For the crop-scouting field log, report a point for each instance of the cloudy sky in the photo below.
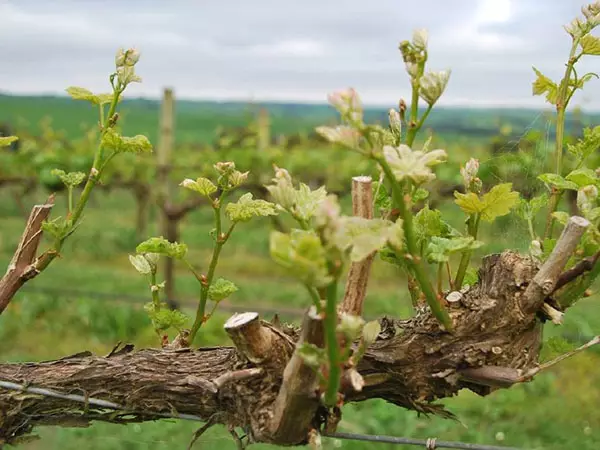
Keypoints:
(289, 50)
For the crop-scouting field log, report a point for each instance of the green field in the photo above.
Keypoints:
(92, 298)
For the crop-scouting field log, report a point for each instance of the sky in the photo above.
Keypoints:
(299, 51)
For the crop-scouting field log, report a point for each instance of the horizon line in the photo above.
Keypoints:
(284, 101)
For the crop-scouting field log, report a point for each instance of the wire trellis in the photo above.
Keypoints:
(429, 444)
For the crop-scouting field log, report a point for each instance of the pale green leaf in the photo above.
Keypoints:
(202, 185)
(246, 208)
(365, 236)
(221, 289)
(350, 326)
(79, 93)
(469, 203)
(544, 85)
(561, 216)
(302, 254)
(528, 210)
(587, 145)
(166, 318)
(583, 177)
(420, 194)
(440, 249)
(593, 214)
(428, 223)
(370, 332)
(121, 144)
(590, 44)
(163, 247)
(58, 227)
(556, 181)
(313, 356)
(498, 201)
(70, 179)
(141, 264)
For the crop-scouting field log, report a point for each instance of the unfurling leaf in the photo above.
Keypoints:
(583, 177)
(429, 223)
(70, 179)
(497, 202)
(586, 198)
(121, 144)
(313, 356)
(302, 254)
(342, 135)
(412, 164)
(561, 216)
(246, 208)
(350, 326)
(370, 332)
(348, 105)
(164, 318)
(587, 145)
(544, 85)
(5, 141)
(554, 180)
(528, 210)
(79, 93)
(202, 185)
(365, 236)
(302, 203)
(221, 289)
(590, 44)
(141, 264)
(433, 85)
(440, 249)
(59, 227)
(163, 247)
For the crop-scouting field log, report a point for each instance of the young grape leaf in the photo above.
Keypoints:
(544, 85)
(497, 202)
(161, 246)
(302, 254)
(221, 289)
(440, 249)
(202, 185)
(246, 208)
(590, 44)
(70, 179)
(583, 177)
(121, 144)
(556, 181)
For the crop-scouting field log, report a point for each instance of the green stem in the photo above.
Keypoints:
(333, 351)
(220, 241)
(314, 295)
(561, 108)
(155, 297)
(414, 260)
(414, 105)
(45, 260)
(465, 259)
(70, 198)
(440, 278)
(419, 125)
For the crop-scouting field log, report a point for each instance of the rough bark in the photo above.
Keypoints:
(413, 363)
(22, 267)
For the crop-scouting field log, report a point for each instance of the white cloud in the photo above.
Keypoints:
(303, 48)
(295, 51)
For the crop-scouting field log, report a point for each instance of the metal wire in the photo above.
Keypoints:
(429, 444)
